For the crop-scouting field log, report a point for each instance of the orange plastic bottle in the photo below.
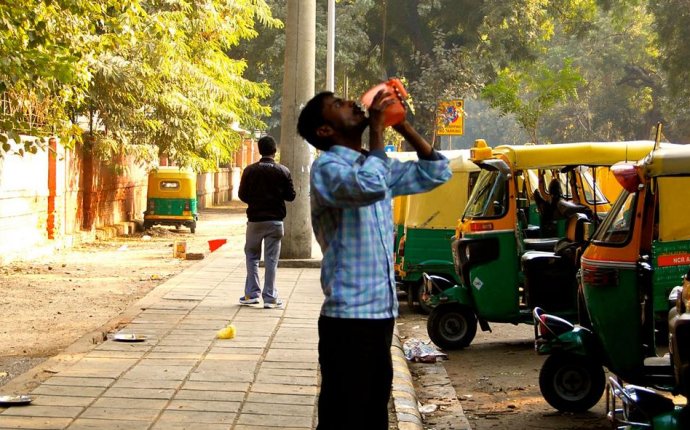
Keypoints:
(395, 113)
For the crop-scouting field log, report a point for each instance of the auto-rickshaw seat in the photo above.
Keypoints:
(575, 228)
(547, 244)
(566, 209)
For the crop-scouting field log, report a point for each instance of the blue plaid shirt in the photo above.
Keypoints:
(351, 211)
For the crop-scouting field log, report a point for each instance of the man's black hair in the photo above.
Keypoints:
(312, 118)
(267, 145)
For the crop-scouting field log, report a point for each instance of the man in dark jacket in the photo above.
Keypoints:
(265, 186)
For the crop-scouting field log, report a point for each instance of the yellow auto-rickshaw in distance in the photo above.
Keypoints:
(171, 198)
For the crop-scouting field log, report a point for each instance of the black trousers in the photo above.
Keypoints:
(356, 373)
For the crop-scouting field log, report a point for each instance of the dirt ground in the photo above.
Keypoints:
(49, 302)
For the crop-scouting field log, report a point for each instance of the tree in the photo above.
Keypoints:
(172, 86)
(44, 52)
(147, 74)
(530, 92)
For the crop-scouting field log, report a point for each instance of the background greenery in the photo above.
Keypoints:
(180, 77)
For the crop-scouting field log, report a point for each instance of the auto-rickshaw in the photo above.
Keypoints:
(506, 264)
(171, 198)
(635, 258)
(429, 226)
(399, 209)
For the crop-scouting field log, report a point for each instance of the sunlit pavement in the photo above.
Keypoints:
(182, 377)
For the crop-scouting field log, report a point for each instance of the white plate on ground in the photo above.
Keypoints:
(14, 400)
(129, 337)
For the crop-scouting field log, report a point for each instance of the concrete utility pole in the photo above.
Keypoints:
(298, 88)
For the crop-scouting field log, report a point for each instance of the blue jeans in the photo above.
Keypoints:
(270, 233)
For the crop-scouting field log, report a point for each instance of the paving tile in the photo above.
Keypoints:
(287, 399)
(291, 355)
(267, 421)
(160, 362)
(215, 370)
(283, 389)
(133, 414)
(178, 342)
(223, 396)
(202, 405)
(295, 346)
(140, 393)
(281, 371)
(256, 352)
(290, 365)
(124, 346)
(99, 367)
(188, 416)
(160, 373)
(278, 409)
(108, 424)
(178, 349)
(79, 382)
(147, 384)
(61, 400)
(238, 343)
(66, 390)
(261, 427)
(175, 355)
(129, 403)
(37, 423)
(104, 353)
(287, 379)
(168, 425)
(44, 411)
(216, 386)
(233, 356)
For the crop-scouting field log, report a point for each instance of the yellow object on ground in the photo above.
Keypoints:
(227, 332)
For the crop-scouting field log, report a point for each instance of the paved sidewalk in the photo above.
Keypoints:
(182, 377)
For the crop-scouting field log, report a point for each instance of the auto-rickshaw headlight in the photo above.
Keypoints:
(627, 175)
(467, 253)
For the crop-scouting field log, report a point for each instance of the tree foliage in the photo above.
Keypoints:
(173, 76)
(146, 73)
(532, 91)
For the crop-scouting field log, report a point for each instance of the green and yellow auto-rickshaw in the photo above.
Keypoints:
(171, 198)
(506, 264)
(429, 226)
(639, 253)
(399, 209)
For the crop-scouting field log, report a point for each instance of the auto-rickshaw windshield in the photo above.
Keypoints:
(589, 182)
(489, 198)
(616, 228)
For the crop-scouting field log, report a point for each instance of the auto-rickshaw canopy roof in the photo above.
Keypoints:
(424, 206)
(442, 206)
(558, 155)
(173, 172)
(670, 164)
(668, 160)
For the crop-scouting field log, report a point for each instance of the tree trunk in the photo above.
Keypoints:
(298, 88)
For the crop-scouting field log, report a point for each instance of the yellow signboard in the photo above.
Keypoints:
(450, 117)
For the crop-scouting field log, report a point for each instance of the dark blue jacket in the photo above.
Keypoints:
(265, 186)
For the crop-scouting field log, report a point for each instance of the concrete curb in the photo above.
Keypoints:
(403, 392)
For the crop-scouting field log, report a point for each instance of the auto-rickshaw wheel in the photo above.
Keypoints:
(571, 383)
(415, 302)
(192, 227)
(147, 225)
(451, 326)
